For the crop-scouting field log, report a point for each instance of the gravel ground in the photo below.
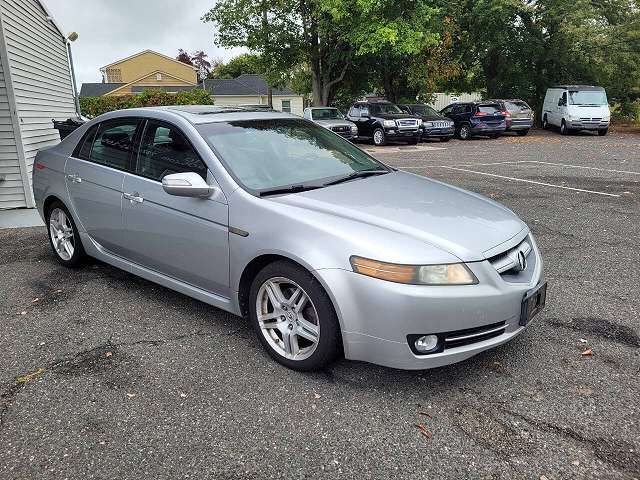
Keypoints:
(105, 375)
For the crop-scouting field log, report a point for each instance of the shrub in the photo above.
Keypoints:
(94, 106)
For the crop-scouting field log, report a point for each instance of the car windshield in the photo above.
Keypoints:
(517, 106)
(384, 108)
(326, 114)
(273, 153)
(424, 110)
(587, 97)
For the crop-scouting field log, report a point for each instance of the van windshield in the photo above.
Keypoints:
(587, 97)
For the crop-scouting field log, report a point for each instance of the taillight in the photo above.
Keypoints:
(39, 166)
(480, 114)
(505, 113)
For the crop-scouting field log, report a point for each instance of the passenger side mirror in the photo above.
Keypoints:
(187, 184)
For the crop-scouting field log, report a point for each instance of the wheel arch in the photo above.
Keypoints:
(50, 200)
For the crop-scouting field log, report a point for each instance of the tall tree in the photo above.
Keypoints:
(200, 60)
(243, 63)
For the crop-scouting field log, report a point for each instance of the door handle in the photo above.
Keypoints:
(133, 197)
(74, 177)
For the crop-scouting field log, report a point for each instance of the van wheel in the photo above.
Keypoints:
(293, 317)
(545, 123)
(603, 132)
(63, 236)
(379, 138)
(564, 130)
(464, 133)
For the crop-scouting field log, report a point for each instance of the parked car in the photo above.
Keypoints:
(332, 119)
(321, 246)
(518, 115)
(384, 122)
(576, 107)
(434, 124)
(476, 118)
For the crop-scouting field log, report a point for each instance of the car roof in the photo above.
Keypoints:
(199, 114)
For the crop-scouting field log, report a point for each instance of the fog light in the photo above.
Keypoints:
(426, 343)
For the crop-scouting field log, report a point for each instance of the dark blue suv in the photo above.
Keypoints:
(476, 119)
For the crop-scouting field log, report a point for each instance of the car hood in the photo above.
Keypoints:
(334, 123)
(459, 222)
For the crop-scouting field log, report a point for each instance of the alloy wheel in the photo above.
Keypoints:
(61, 232)
(378, 137)
(464, 132)
(287, 318)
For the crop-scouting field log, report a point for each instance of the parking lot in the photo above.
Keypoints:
(105, 375)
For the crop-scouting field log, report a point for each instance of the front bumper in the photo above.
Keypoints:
(401, 134)
(376, 316)
(438, 132)
(587, 124)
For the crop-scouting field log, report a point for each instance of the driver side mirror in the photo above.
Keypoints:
(187, 184)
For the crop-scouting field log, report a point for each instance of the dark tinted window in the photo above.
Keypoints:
(83, 150)
(113, 143)
(457, 109)
(165, 150)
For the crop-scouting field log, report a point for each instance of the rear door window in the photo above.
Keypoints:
(113, 143)
(165, 150)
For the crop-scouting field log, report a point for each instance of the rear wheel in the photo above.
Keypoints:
(603, 132)
(63, 236)
(379, 137)
(545, 123)
(464, 132)
(293, 317)
(522, 133)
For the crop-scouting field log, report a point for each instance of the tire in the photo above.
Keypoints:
(63, 236)
(564, 130)
(445, 139)
(316, 320)
(522, 133)
(545, 123)
(603, 132)
(464, 132)
(379, 138)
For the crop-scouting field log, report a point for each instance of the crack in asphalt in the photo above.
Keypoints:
(91, 360)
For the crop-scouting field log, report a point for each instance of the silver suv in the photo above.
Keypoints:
(331, 118)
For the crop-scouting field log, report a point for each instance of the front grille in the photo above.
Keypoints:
(468, 336)
(341, 129)
(407, 123)
(508, 261)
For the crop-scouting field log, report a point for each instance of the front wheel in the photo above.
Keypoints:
(379, 138)
(465, 132)
(564, 130)
(293, 317)
(63, 236)
(522, 133)
(603, 132)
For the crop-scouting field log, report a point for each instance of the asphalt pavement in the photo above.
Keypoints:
(104, 375)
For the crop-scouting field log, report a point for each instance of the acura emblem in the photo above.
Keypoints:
(522, 261)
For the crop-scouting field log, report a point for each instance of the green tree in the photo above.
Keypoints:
(244, 63)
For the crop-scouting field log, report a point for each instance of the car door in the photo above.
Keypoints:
(561, 109)
(184, 238)
(94, 175)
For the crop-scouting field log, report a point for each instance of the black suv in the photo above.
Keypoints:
(476, 118)
(434, 124)
(383, 122)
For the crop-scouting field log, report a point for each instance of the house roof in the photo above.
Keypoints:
(98, 89)
(247, 84)
(142, 53)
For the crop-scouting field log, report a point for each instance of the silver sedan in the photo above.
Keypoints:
(324, 249)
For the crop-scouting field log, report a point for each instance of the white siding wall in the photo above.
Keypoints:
(11, 190)
(39, 74)
(444, 99)
(296, 101)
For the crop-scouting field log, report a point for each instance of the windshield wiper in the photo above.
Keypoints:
(290, 189)
(357, 174)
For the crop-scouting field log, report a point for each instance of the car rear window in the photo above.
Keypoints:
(489, 109)
(517, 106)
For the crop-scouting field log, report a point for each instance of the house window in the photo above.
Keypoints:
(286, 106)
(114, 75)
(158, 76)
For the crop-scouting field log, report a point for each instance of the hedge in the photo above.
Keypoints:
(94, 106)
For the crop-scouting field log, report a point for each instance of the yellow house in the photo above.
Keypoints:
(153, 70)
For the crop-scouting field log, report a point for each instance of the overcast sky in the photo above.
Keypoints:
(109, 30)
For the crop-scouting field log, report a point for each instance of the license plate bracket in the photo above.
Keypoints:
(532, 303)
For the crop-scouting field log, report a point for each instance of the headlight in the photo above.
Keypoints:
(447, 274)
(427, 124)
(354, 129)
(389, 123)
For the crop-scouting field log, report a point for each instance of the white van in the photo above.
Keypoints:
(576, 107)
